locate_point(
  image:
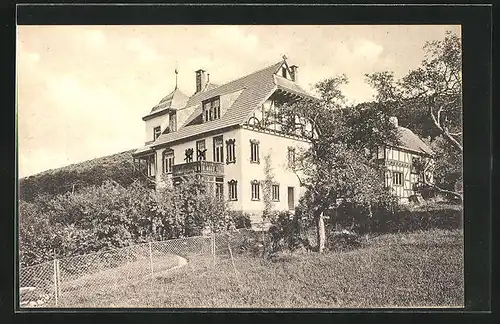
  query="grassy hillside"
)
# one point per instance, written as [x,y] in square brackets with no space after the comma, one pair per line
[118,167]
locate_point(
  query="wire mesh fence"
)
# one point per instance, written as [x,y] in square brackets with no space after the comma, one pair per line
[81,279]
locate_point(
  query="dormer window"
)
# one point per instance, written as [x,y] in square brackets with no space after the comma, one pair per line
[173,122]
[156,132]
[283,72]
[211,109]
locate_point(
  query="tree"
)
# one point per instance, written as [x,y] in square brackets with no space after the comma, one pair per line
[431,97]
[336,165]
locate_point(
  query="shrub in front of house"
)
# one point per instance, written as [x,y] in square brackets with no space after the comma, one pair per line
[387,218]
[357,218]
[424,217]
[190,207]
[111,216]
[346,225]
[251,242]
[240,219]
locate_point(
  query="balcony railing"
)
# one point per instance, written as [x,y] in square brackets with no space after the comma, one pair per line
[201,167]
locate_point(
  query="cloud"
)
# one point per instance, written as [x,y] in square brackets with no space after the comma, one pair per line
[237,37]
[145,52]
[367,50]
[33,57]
[95,38]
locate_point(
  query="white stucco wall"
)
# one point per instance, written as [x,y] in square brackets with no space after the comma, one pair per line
[277,148]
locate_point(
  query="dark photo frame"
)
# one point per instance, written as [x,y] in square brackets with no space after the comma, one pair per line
[476,26]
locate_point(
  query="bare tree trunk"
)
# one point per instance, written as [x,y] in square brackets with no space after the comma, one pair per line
[321,233]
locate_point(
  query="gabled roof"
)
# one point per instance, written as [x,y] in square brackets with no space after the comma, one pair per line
[410,141]
[255,89]
[290,86]
[174,100]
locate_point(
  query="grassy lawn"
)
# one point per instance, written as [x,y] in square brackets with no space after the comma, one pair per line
[87,289]
[398,270]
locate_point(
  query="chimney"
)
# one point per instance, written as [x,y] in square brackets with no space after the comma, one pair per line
[295,73]
[201,80]
[204,86]
[394,120]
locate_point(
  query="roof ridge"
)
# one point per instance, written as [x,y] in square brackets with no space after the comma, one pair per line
[234,80]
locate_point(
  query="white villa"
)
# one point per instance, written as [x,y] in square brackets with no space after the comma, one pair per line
[220,133]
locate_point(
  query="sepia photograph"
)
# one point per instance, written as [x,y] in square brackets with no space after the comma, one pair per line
[240,166]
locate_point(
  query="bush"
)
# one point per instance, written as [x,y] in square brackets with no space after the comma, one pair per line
[240,219]
[387,218]
[188,208]
[447,217]
[343,241]
[248,242]
[348,222]
[35,235]
[112,216]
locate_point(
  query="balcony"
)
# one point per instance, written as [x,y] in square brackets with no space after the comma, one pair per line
[198,167]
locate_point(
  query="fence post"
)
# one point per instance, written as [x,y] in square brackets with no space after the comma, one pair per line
[55,281]
[59,294]
[232,259]
[151,259]
[213,247]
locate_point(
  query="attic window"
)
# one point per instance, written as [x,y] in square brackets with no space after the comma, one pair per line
[283,72]
[211,109]
[156,132]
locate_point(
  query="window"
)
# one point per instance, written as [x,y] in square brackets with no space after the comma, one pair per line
[283,72]
[151,165]
[397,178]
[206,111]
[233,189]
[255,190]
[211,109]
[218,149]
[254,151]
[156,132]
[173,121]
[200,151]
[415,164]
[168,161]
[276,192]
[231,153]
[291,157]
[189,155]
[216,108]
[219,189]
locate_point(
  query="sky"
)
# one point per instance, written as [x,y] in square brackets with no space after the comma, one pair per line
[82,90]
